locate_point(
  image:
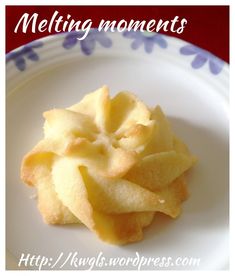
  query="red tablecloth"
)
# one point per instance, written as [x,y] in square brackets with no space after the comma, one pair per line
[207,27]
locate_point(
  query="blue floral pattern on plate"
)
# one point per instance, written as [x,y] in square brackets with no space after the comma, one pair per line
[202,57]
[149,40]
[139,39]
[88,44]
[27,51]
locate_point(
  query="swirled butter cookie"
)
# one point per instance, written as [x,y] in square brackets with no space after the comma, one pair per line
[109,164]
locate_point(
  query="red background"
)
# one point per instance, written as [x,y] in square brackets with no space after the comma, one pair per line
[208,26]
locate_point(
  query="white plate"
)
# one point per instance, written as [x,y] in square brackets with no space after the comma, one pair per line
[57,72]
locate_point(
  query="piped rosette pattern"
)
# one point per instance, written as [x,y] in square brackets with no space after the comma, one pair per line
[109,164]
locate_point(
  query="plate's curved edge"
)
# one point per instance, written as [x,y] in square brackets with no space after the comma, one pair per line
[57,36]
[174,40]
[32,57]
